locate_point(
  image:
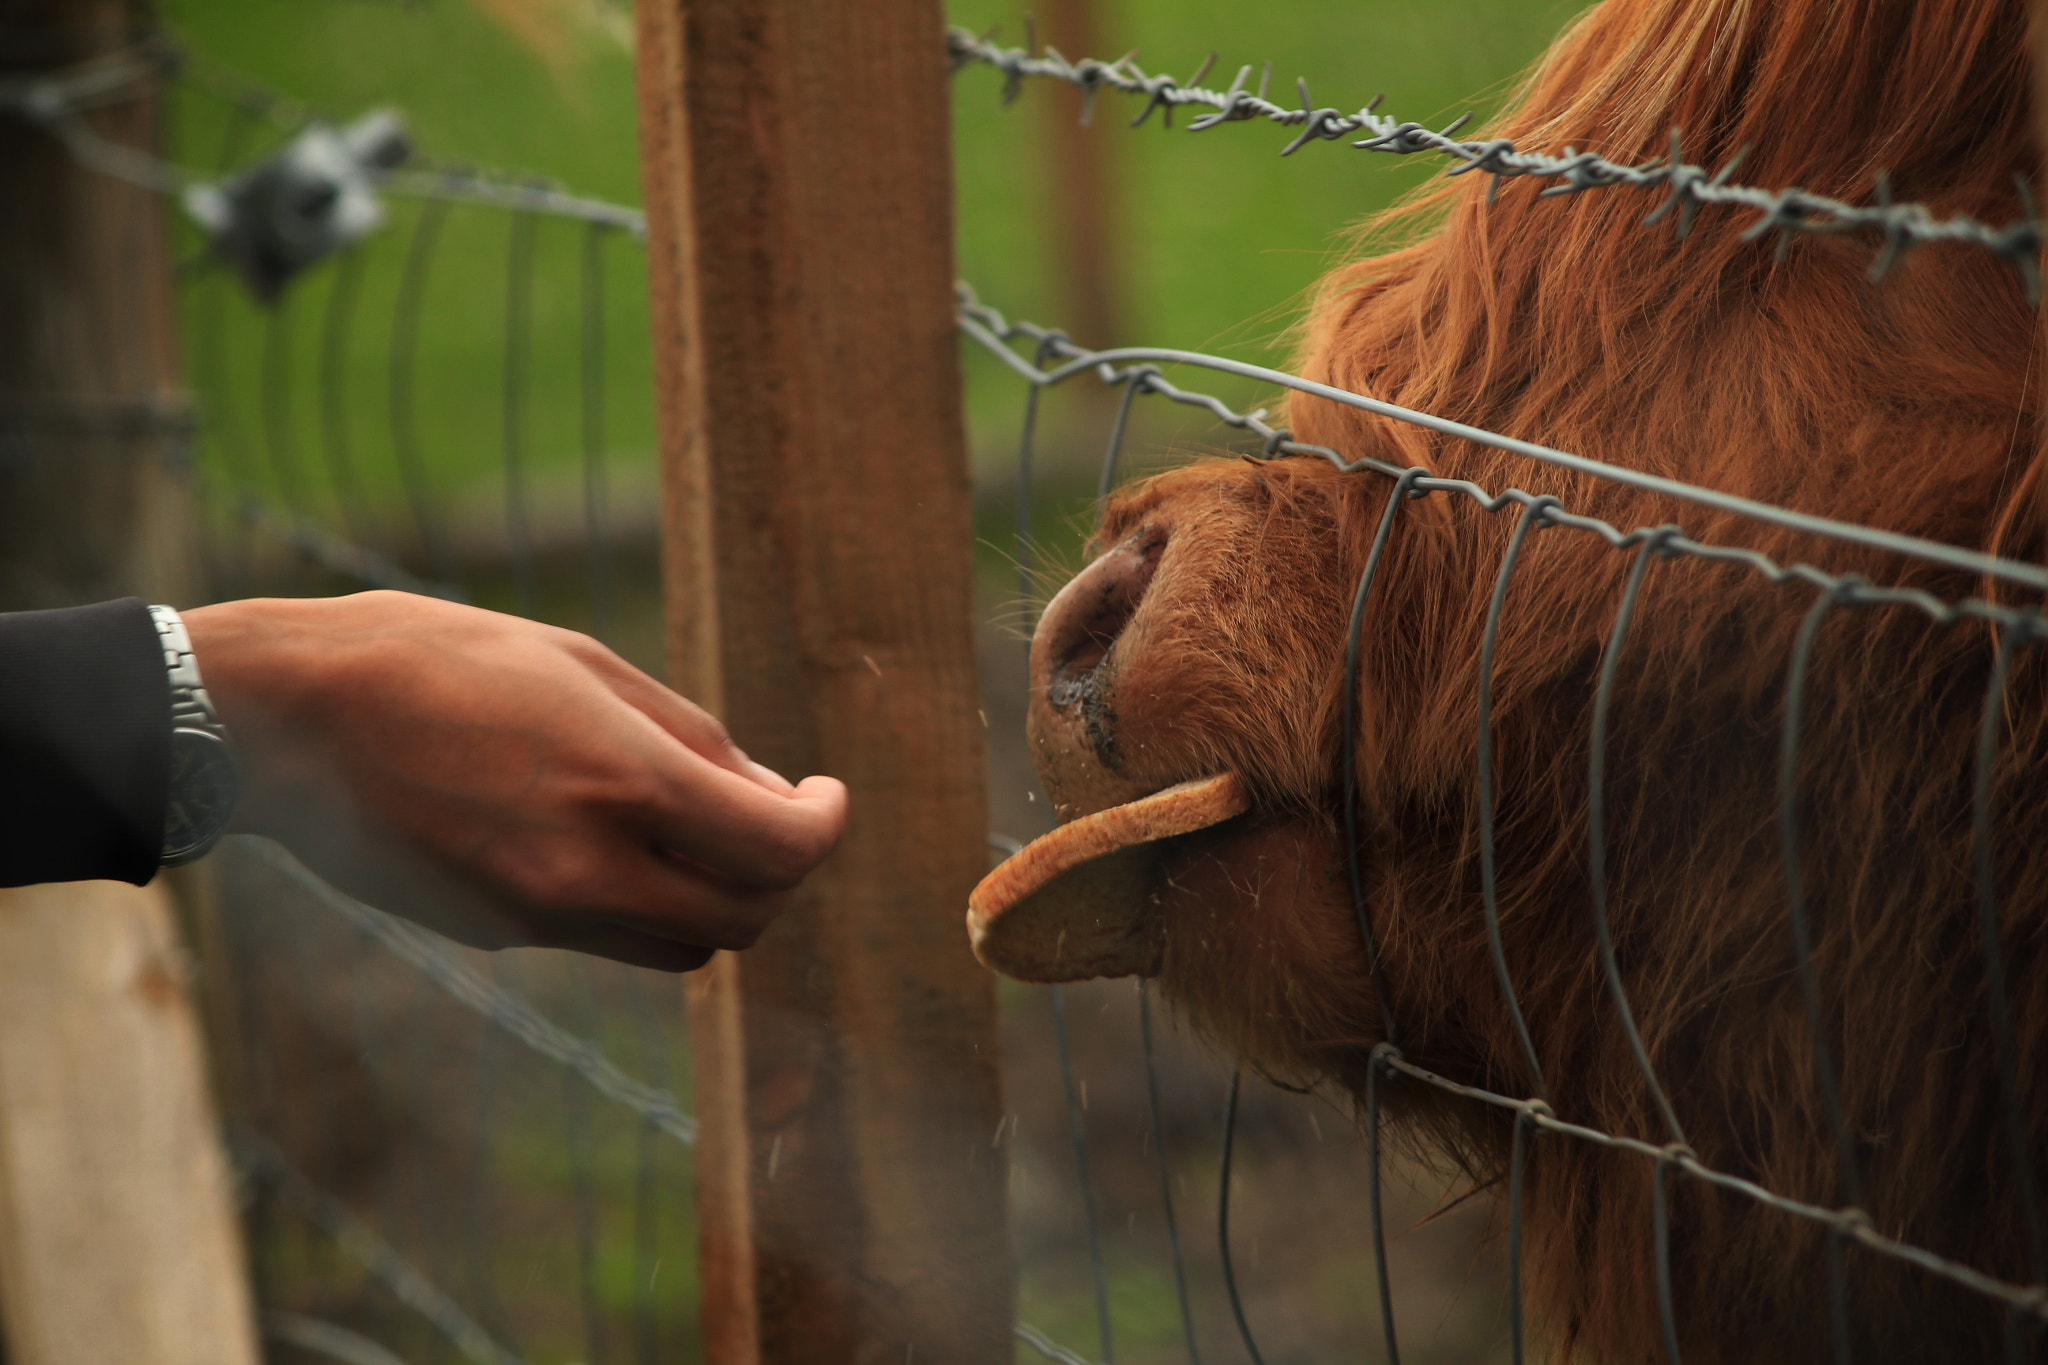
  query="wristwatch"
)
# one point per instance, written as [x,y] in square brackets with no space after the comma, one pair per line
[205,782]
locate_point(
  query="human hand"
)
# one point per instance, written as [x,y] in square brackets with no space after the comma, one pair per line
[503,781]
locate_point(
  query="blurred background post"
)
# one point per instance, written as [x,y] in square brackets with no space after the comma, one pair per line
[118,1238]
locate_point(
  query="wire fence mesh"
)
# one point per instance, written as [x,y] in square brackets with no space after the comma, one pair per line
[1044,357]
[322,996]
[1136,371]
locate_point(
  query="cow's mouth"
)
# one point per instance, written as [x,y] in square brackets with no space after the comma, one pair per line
[1079,902]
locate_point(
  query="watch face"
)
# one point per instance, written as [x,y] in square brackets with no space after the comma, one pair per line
[204,786]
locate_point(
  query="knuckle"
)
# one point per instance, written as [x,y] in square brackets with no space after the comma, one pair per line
[591,653]
[711,728]
[582,646]
[557,880]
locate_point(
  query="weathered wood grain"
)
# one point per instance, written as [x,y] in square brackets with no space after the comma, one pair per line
[817,571]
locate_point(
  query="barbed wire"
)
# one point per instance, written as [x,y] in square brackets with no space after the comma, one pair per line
[1054,360]
[57,101]
[504,1010]
[1139,367]
[460,184]
[259,1160]
[1687,187]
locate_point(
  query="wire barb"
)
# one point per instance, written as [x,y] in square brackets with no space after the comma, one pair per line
[1687,187]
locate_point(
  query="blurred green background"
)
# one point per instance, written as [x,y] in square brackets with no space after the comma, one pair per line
[1213,237]
[1209,242]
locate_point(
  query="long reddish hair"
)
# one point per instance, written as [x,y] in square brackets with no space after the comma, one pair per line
[1910,404]
[1564,319]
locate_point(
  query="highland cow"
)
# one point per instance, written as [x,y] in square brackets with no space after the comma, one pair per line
[1189,690]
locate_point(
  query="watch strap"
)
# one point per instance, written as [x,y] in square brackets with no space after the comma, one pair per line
[191,708]
[204,783]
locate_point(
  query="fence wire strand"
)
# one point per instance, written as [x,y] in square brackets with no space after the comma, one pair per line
[1851,1183]
[261,1161]
[1687,188]
[1077,1138]
[335,443]
[1489,878]
[1164,1168]
[518,345]
[1596,826]
[1054,360]
[506,1011]
[1223,1252]
[325,1339]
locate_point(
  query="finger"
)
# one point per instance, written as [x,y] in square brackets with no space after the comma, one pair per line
[746,832]
[619,942]
[697,728]
[767,777]
[620,877]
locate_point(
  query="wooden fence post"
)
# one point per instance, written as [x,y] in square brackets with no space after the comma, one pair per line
[118,1239]
[817,543]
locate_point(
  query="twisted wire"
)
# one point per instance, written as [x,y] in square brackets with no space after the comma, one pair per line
[1056,360]
[990,329]
[505,1010]
[56,100]
[1687,187]
[256,1158]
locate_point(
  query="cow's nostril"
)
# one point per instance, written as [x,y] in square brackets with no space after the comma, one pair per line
[1086,619]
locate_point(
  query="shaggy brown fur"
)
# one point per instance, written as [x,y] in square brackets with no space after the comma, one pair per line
[1907,404]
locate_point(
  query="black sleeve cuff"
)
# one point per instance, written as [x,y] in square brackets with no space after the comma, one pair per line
[85,744]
